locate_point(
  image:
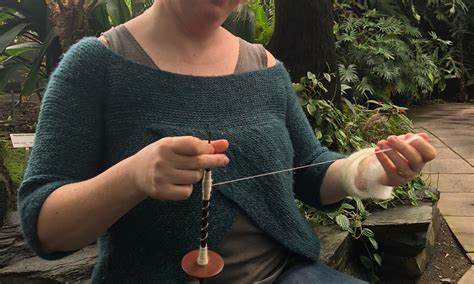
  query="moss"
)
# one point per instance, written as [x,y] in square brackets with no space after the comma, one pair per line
[14,161]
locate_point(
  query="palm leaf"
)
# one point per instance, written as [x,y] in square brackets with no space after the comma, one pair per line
[6,14]
[33,11]
[118,11]
[21,48]
[99,19]
[33,75]
[348,74]
[9,32]
[11,4]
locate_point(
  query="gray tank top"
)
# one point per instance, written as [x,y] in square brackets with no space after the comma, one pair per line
[250,256]
[120,40]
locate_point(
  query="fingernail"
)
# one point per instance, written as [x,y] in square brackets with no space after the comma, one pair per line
[392,139]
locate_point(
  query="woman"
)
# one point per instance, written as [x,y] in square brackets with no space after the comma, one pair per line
[118,148]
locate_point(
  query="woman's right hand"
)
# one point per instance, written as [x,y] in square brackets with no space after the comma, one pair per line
[167,168]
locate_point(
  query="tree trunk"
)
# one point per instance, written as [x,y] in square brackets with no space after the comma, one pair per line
[304,40]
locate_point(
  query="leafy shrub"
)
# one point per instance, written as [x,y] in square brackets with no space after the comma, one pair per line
[348,129]
[352,126]
[386,58]
[13,162]
[31,30]
[449,19]
[264,19]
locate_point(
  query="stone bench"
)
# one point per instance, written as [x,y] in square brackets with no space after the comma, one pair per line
[18,264]
[405,235]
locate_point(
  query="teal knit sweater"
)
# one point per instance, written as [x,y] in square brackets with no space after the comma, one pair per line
[100,107]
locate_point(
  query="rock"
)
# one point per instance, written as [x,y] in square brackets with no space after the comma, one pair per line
[406,236]
[12,246]
[335,246]
[407,218]
[409,265]
[446,280]
[18,264]
[402,230]
[74,268]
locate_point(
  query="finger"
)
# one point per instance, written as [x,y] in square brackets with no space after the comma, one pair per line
[220,146]
[172,192]
[411,155]
[425,149]
[190,146]
[384,160]
[200,162]
[184,177]
[401,165]
[424,136]
[389,167]
[408,137]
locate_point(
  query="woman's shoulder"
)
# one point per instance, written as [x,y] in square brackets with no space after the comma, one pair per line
[87,57]
[260,50]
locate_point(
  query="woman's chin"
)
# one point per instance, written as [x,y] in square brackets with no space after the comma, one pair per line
[212,10]
[215,14]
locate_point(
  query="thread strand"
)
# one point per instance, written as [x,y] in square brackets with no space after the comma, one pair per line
[296,168]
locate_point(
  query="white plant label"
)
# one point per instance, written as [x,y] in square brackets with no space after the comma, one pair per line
[22,140]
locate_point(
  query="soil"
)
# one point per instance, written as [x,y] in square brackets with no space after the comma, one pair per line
[24,120]
[449,260]
[448,263]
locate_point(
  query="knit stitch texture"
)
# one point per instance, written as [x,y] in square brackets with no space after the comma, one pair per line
[100,107]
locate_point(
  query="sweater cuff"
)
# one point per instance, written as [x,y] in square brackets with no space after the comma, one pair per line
[308,181]
[30,208]
[371,176]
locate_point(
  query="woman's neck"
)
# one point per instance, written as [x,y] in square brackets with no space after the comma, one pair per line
[175,26]
[183,45]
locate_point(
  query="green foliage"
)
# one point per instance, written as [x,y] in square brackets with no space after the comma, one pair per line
[352,126]
[242,24]
[385,57]
[348,129]
[118,11]
[14,161]
[450,19]
[25,37]
[349,217]
[254,22]
[264,12]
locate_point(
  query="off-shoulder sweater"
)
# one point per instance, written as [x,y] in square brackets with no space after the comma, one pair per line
[100,108]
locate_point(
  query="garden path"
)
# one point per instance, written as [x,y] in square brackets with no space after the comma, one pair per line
[451,129]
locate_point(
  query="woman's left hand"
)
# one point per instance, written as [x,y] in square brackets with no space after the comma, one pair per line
[406,160]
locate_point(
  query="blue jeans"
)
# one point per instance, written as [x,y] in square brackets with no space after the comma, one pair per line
[314,272]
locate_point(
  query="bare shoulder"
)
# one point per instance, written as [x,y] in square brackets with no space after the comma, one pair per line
[271,60]
[103,40]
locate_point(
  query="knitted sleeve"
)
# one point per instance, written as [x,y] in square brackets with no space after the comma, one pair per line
[68,137]
[308,150]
